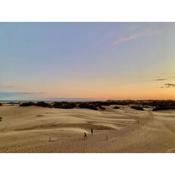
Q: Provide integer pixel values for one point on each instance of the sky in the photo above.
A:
(87, 60)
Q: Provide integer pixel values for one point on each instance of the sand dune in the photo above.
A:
(37, 129)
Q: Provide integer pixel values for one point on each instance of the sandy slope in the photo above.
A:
(35, 129)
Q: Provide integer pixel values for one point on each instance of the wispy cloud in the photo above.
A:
(166, 85)
(169, 85)
(134, 36)
(125, 39)
(160, 79)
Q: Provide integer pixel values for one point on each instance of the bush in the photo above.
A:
(88, 106)
(64, 105)
(101, 107)
(26, 104)
(12, 103)
(0, 119)
(116, 107)
(0, 104)
(43, 104)
(163, 107)
(140, 108)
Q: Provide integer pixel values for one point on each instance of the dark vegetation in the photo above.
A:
(64, 105)
(87, 105)
(43, 104)
(0, 104)
(13, 103)
(26, 104)
(116, 107)
(164, 106)
(0, 119)
(140, 108)
(100, 105)
(92, 105)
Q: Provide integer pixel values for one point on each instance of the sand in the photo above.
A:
(49, 130)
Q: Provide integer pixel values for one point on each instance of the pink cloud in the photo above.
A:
(133, 36)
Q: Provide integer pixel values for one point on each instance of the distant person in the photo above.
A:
(92, 131)
(85, 135)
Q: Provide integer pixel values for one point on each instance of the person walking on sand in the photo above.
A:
(85, 136)
(92, 131)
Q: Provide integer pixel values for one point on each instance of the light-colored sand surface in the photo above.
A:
(35, 129)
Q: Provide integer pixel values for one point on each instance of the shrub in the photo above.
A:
(101, 107)
(13, 103)
(0, 104)
(140, 108)
(163, 107)
(116, 107)
(88, 106)
(26, 104)
(43, 104)
(64, 105)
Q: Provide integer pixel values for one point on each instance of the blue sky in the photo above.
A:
(87, 60)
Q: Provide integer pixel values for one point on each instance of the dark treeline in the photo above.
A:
(99, 105)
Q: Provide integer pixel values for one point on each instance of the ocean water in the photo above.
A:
(26, 96)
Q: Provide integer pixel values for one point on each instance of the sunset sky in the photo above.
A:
(87, 60)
